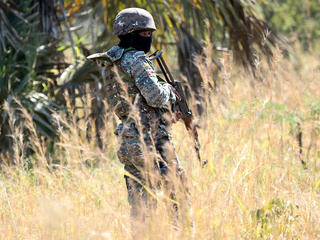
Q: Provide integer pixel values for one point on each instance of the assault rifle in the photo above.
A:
(181, 104)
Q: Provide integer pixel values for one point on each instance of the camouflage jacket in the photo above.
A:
(150, 104)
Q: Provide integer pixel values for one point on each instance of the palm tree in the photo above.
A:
(32, 51)
(30, 64)
(234, 25)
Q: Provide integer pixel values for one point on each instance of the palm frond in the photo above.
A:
(48, 17)
(8, 33)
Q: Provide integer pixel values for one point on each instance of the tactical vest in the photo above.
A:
(120, 89)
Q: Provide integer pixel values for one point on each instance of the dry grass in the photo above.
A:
(254, 186)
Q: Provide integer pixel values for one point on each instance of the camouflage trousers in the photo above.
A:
(149, 163)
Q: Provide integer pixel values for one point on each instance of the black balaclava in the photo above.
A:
(136, 41)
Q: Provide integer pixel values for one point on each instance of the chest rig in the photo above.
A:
(120, 89)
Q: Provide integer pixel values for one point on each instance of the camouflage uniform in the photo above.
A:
(142, 101)
(144, 136)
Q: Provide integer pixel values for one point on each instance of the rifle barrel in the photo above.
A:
(166, 68)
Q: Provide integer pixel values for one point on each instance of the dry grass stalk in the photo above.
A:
(253, 186)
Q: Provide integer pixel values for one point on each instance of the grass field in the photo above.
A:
(254, 186)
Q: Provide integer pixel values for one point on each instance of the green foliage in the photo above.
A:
(32, 61)
(275, 217)
(298, 20)
(27, 73)
(315, 108)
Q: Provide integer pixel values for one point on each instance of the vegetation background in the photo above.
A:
(251, 71)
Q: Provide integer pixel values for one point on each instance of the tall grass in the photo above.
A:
(254, 186)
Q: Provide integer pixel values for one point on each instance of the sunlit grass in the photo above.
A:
(254, 186)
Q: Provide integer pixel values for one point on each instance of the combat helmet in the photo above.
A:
(132, 19)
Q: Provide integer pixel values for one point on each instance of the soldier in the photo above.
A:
(142, 101)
